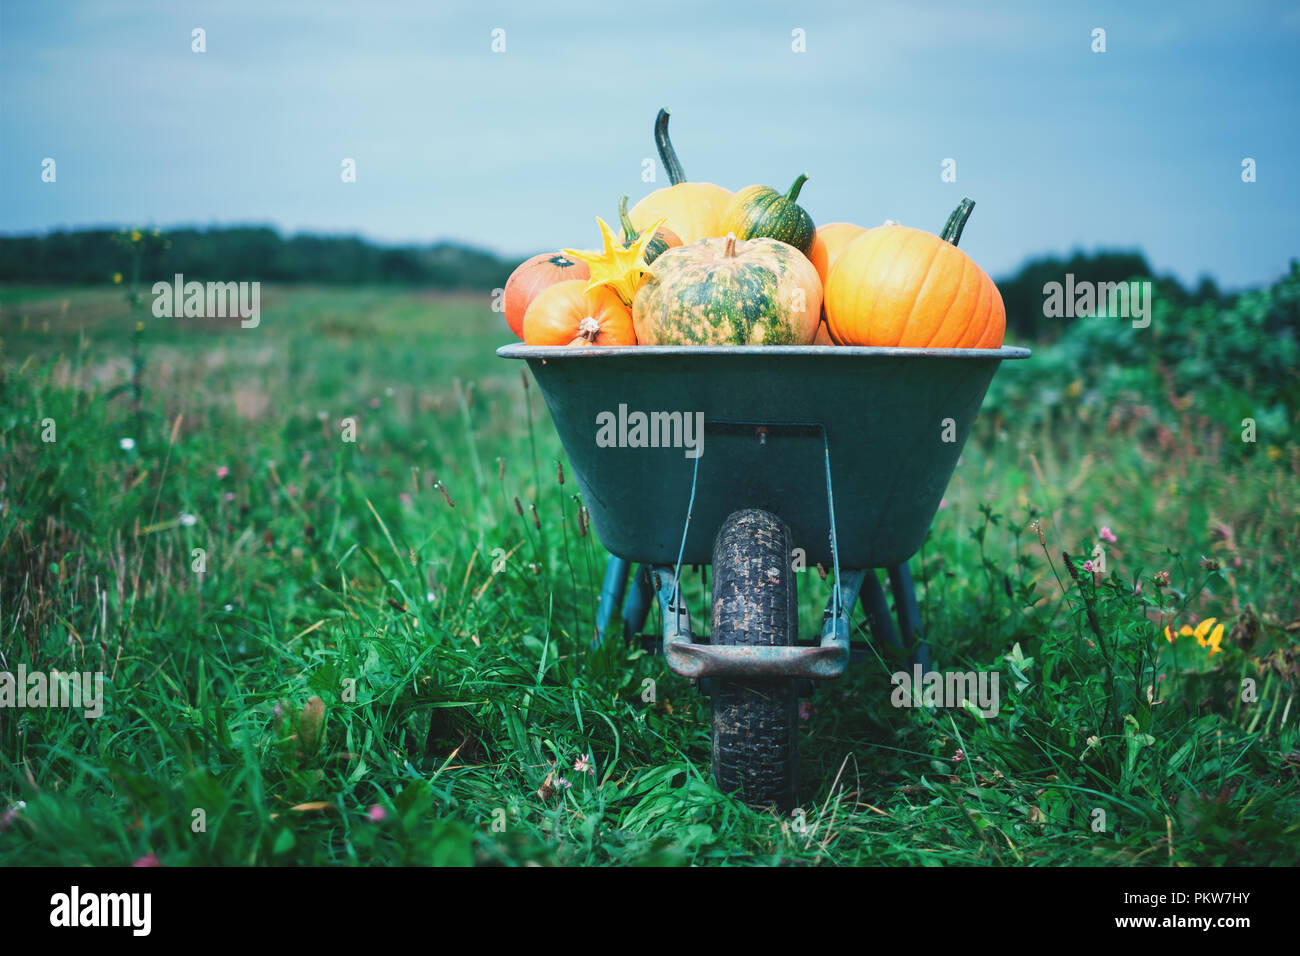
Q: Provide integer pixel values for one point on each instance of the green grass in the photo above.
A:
(450, 684)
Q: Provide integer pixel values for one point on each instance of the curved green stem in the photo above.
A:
(957, 221)
(793, 194)
(666, 152)
(630, 235)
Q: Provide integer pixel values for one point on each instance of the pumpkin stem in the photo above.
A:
(730, 250)
(793, 194)
(588, 329)
(630, 235)
(666, 152)
(957, 221)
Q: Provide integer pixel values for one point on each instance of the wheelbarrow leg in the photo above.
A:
(909, 616)
(637, 608)
(881, 621)
(611, 596)
(876, 608)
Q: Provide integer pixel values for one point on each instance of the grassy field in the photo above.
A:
(314, 657)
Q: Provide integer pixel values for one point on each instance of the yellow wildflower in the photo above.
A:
(1215, 637)
(117, 278)
(1208, 633)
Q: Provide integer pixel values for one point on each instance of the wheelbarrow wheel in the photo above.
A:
(755, 723)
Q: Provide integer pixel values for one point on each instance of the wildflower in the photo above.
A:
(377, 814)
(117, 278)
(323, 416)
(1209, 563)
(374, 402)
(1207, 638)
(228, 496)
(1089, 567)
(126, 444)
(1106, 534)
(959, 756)
(9, 816)
(1208, 634)
(806, 710)
(547, 790)
(562, 784)
(405, 499)
(222, 471)
(188, 520)
(135, 235)
(149, 859)
(1161, 579)
(583, 764)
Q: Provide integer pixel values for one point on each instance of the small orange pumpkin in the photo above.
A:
(568, 313)
(533, 276)
(898, 286)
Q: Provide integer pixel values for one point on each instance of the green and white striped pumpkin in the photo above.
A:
(760, 211)
(729, 292)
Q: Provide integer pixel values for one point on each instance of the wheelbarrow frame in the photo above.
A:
(901, 390)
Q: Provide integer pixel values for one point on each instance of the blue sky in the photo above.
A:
(1062, 148)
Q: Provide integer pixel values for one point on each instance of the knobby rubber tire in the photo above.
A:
(755, 723)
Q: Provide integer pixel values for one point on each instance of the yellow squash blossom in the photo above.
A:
(618, 266)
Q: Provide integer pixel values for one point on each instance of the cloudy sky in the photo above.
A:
(1062, 148)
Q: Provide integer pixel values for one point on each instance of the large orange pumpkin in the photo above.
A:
(534, 275)
(898, 286)
(568, 313)
(693, 210)
(829, 242)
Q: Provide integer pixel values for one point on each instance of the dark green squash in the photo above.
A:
(663, 240)
(761, 212)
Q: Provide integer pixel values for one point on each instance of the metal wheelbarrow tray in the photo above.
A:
(835, 455)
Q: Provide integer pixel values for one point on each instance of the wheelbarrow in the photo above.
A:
(761, 461)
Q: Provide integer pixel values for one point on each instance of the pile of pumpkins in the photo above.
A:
(698, 265)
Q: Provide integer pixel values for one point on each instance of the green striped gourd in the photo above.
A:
(760, 211)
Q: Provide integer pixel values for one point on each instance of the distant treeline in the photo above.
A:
(255, 253)
(258, 253)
